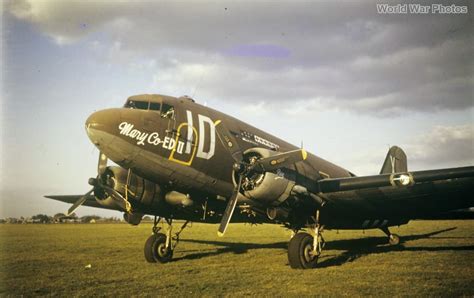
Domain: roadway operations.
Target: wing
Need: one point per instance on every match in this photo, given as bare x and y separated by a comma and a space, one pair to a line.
408, 195
71, 199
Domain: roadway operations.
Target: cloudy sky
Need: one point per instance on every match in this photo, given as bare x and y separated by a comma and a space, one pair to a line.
340, 77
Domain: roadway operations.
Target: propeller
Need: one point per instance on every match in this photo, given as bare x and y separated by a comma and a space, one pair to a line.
229, 210
98, 183
242, 168
101, 166
229, 142
279, 161
78, 203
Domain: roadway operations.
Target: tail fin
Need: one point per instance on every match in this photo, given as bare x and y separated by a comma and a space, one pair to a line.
395, 162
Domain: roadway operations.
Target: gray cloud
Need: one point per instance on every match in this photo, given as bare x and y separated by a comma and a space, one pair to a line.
440, 146
444, 145
342, 55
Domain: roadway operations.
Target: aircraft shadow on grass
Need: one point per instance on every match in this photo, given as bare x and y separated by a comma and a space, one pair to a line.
226, 247
353, 248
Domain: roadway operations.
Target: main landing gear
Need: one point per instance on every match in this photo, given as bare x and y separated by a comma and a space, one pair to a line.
393, 239
159, 247
304, 249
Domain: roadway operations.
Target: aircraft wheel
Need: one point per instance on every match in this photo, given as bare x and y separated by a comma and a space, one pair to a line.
393, 239
149, 250
300, 252
155, 249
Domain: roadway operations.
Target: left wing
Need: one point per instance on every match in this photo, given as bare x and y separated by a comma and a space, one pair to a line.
407, 195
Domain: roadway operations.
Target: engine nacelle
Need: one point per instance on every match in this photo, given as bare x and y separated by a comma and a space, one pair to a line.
139, 189
268, 188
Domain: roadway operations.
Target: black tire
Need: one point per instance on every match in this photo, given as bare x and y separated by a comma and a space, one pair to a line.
149, 249
155, 249
299, 252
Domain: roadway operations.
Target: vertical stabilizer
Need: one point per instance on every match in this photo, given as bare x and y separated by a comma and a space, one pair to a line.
395, 162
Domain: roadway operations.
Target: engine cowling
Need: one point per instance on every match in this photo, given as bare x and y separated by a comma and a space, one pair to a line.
140, 190
270, 188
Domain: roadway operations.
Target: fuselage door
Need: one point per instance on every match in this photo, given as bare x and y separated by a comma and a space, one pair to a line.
185, 144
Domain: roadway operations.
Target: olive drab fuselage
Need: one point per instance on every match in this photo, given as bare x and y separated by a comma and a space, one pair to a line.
181, 147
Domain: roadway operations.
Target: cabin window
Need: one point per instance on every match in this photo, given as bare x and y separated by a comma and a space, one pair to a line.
167, 111
155, 106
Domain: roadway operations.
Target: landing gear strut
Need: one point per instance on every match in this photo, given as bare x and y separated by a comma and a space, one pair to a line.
159, 247
393, 239
304, 249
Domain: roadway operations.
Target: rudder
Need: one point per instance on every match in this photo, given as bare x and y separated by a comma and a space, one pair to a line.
395, 161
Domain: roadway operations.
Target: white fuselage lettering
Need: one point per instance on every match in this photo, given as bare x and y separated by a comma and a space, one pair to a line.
169, 143
203, 120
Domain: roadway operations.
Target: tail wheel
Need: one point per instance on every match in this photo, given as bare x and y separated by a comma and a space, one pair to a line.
300, 252
156, 250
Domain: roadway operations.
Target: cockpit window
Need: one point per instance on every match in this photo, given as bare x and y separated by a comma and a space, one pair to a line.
167, 111
141, 105
155, 106
129, 104
135, 104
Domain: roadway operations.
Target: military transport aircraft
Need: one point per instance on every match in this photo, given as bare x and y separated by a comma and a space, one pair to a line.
179, 160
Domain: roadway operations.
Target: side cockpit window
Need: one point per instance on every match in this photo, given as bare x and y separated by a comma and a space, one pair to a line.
167, 111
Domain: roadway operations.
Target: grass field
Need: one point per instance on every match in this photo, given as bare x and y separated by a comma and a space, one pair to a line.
435, 258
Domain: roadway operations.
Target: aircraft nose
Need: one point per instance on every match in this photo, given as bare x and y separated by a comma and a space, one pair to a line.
101, 123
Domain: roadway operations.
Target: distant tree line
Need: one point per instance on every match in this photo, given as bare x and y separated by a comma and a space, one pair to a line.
60, 218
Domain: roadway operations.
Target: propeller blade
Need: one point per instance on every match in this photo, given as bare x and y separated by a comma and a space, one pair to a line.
118, 198
78, 203
229, 141
102, 164
229, 210
279, 161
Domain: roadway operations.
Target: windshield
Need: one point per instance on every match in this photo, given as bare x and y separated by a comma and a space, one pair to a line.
143, 104
135, 104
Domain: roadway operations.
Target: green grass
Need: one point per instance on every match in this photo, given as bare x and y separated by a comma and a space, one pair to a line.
250, 260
